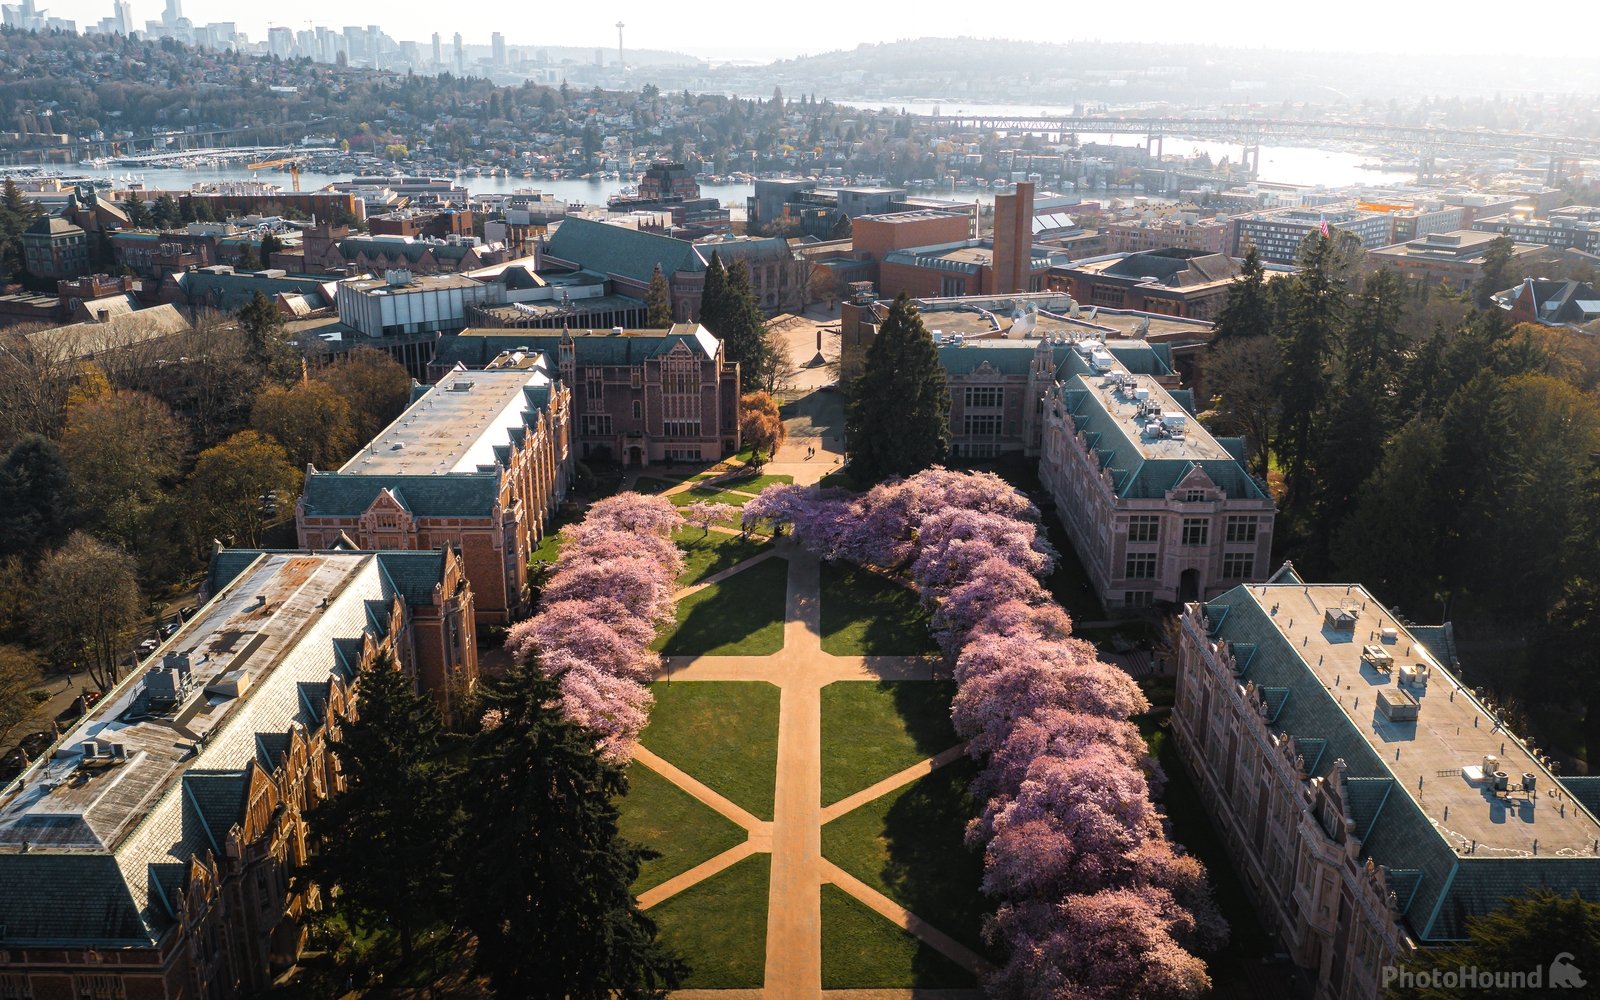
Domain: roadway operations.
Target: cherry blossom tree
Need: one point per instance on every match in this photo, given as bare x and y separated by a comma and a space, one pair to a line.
1119, 944
703, 514
638, 584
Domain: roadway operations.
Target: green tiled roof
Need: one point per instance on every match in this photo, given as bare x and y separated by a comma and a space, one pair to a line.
630, 253
218, 799
457, 494
413, 574
1439, 887
1585, 788
88, 902
476, 350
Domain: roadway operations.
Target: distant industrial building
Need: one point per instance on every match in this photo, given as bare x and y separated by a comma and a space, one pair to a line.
1277, 235
1455, 258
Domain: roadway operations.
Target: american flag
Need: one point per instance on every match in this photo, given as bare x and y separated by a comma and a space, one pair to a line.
1324, 228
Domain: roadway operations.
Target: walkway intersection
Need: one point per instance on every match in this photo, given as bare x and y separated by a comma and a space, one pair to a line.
801, 670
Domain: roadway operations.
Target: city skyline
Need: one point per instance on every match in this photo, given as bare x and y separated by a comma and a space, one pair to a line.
1365, 26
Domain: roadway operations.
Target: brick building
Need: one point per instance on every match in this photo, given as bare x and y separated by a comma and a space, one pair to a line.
1173, 282
152, 853
1453, 258
1183, 232
477, 463
638, 396
410, 222
1373, 804
53, 248
1157, 509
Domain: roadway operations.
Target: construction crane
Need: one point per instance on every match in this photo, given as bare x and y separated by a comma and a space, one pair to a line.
294, 168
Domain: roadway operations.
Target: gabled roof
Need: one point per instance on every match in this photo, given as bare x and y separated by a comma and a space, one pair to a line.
459, 494
473, 349
614, 250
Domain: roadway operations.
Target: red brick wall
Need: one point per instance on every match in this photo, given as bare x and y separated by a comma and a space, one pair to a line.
873, 238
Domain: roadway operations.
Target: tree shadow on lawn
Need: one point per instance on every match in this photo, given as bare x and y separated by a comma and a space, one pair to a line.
929, 869
741, 616
924, 707
865, 614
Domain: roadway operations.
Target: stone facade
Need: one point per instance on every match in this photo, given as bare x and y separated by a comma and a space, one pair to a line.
1157, 509
639, 397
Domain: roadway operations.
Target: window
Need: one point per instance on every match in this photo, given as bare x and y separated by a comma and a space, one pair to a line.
981, 423
1196, 531
1140, 566
681, 428
1138, 598
988, 395
1194, 496
637, 378
951, 287
1238, 565
597, 424
638, 410
1241, 529
1144, 528
594, 388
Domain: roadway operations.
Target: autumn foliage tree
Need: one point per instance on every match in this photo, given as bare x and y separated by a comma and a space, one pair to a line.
310, 419
85, 607
229, 482
1093, 901
760, 423
375, 385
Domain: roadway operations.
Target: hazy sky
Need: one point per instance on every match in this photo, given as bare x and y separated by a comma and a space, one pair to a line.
721, 29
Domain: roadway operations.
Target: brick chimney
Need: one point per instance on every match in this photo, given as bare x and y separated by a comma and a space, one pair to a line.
1013, 240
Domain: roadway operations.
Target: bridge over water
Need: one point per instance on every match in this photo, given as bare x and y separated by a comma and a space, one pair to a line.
1426, 142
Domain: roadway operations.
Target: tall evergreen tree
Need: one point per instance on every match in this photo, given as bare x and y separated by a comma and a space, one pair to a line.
269, 348
1248, 310
1316, 307
744, 329
35, 497
545, 874
899, 418
658, 301
714, 295
383, 838
138, 212
1495, 276
1527, 930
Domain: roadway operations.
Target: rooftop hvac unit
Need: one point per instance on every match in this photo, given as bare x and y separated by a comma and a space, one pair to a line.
1397, 705
1378, 657
1339, 619
1415, 675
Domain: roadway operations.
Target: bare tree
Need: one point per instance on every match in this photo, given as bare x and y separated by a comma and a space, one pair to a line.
1243, 377
86, 606
19, 691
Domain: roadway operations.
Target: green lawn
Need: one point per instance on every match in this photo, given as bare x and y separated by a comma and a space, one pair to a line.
710, 494
724, 733
908, 845
668, 820
711, 553
864, 614
861, 950
549, 546
841, 479
720, 926
741, 616
872, 730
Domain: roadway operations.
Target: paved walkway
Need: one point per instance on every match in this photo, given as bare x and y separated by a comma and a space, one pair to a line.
794, 837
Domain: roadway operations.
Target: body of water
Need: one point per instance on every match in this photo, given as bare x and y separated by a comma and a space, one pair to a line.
1279, 164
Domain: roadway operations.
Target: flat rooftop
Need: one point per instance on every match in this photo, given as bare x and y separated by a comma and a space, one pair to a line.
916, 215
966, 316
418, 283
1436, 759
75, 800
455, 426
1143, 411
